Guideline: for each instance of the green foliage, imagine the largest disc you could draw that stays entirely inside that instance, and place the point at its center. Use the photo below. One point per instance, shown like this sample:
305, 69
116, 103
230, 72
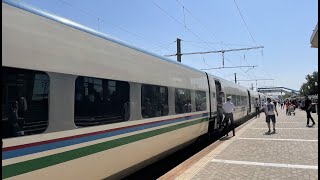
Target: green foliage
311, 86
286, 96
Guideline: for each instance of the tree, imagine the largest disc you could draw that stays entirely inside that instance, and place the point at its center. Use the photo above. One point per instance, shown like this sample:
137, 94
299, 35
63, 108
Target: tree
311, 86
286, 95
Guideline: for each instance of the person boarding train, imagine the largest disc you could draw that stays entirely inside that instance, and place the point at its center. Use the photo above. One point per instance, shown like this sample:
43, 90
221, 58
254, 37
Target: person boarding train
228, 108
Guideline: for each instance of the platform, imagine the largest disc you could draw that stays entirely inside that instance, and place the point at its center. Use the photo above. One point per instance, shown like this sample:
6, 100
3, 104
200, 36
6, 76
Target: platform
290, 153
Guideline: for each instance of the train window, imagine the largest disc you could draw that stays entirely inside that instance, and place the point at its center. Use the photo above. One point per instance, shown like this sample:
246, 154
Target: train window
234, 100
243, 100
238, 100
100, 101
183, 101
201, 100
154, 101
24, 102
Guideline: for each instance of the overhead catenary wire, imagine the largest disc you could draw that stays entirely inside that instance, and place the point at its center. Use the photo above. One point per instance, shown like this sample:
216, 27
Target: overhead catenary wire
185, 27
245, 22
222, 51
226, 44
179, 22
99, 19
229, 67
202, 25
164, 46
240, 13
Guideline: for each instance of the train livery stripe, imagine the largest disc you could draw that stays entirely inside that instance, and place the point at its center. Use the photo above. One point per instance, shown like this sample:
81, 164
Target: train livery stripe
68, 141
94, 133
43, 162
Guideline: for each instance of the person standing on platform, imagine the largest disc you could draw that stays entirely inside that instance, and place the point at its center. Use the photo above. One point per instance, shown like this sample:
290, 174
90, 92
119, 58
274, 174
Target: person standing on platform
286, 106
269, 109
307, 107
275, 103
228, 108
281, 103
257, 107
220, 101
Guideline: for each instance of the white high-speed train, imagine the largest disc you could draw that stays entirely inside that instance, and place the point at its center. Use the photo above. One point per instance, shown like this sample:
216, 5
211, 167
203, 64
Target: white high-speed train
78, 104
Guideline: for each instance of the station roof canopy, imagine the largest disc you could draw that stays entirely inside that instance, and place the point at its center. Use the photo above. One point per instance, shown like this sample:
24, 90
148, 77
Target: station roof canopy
314, 37
277, 90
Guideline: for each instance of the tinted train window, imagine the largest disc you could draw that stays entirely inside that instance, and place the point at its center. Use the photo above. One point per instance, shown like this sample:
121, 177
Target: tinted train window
100, 101
154, 101
241, 100
245, 100
201, 101
24, 102
182, 101
234, 100
238, 100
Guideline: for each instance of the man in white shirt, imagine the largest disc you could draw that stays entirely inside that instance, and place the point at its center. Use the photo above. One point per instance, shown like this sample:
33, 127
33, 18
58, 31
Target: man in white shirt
269, 109
228, 108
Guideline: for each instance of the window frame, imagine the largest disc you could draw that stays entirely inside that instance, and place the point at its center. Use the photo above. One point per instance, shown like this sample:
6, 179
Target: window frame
122, 101
175, 100
26, 84
205, 98
142, 100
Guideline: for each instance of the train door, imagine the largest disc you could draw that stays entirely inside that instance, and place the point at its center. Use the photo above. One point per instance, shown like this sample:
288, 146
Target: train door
260, 101
212, 101
213, 98
249, 100
218, 86
218, 90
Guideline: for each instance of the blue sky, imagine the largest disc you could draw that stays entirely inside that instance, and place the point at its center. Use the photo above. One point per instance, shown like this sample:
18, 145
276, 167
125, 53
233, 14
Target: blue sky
283, 27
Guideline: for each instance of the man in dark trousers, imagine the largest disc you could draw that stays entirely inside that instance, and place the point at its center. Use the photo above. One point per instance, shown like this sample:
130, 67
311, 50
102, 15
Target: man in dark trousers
307, 106
269, 109
228, 108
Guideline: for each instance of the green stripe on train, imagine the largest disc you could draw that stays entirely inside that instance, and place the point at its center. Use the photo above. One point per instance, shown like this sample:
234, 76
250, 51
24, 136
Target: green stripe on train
39, 163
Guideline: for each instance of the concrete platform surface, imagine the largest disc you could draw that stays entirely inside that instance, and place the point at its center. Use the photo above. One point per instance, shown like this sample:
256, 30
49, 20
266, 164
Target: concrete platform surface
290, 153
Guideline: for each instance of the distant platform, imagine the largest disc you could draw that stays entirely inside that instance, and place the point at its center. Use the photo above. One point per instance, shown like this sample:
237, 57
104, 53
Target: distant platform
290, 153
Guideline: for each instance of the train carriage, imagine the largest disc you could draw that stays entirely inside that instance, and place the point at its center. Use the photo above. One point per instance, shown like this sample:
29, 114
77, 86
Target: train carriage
78, 104
101, 101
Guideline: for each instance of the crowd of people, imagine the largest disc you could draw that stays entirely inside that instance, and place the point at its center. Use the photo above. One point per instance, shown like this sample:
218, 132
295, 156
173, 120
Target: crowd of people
290, 105
269, 108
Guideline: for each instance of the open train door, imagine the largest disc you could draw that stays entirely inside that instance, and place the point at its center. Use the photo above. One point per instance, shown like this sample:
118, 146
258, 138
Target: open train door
249, 100
260, 102
218, 86
218, 90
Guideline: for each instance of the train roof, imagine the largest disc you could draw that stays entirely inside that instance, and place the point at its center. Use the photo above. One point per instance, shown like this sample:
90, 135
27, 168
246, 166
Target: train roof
95, 33
91, 31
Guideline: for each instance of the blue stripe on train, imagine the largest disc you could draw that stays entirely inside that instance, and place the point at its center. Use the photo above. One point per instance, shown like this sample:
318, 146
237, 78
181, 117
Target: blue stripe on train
69, 142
